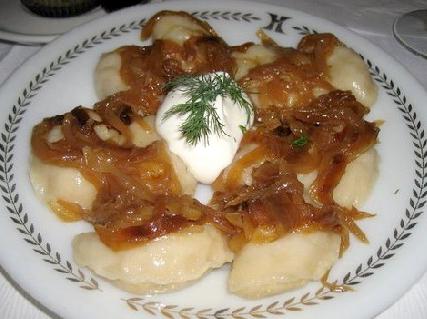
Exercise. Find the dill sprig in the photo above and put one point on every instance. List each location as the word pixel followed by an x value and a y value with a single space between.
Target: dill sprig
pixel 201 92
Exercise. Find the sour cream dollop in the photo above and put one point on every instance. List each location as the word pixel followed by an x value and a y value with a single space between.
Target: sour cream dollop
pixel 204 160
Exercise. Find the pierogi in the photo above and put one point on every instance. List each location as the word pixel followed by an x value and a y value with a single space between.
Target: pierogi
pixel 107 75
pixel 58 185
pixel 52 183
pixel 347 71
pixel 261 270
pixel 167 263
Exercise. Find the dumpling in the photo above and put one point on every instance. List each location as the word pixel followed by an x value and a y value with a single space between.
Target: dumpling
pixel 52 183
pixel 358 180
pixel 347 71
pixel 66 191
pixel 107 76
pixel 186 179
pixel 261 270
pixel 343 68
pixel 253 56
pixel 290 80
pixel 356 183
pixel 144 70
pixel 175 26
pixel 167 263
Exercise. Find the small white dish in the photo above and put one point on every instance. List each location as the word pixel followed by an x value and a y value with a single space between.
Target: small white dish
pixel 18 24
pixel 35 249
pixel 410 31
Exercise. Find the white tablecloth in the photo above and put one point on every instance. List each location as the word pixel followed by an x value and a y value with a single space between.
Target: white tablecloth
pixel 373 20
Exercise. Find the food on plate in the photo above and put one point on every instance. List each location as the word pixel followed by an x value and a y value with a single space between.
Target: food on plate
pixel 308 257
pixel 251 55
pixel 107 75
pixel 79 149
pixel 280 134
pixel 63 189
pixel 168 263
pixel 343 67
pixel 178 27
pixel 320 64
pixel 139 74
pixel 347 71
pixel 358 180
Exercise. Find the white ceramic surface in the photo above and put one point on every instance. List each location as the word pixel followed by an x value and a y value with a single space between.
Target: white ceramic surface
pixel 410 31
pixel 35 245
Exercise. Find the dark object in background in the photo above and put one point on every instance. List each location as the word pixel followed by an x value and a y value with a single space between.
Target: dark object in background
pixel 60 8
pixel 112 5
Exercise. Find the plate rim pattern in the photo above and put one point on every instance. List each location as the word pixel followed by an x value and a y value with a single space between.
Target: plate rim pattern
pixel 27 230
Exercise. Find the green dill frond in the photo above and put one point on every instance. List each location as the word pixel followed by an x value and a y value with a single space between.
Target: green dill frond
pixel 300 141
pixel 201 92
pixel 243 129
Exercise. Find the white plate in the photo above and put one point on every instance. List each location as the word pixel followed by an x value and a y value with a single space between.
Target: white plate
pixel 35 247
pixel 18 24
